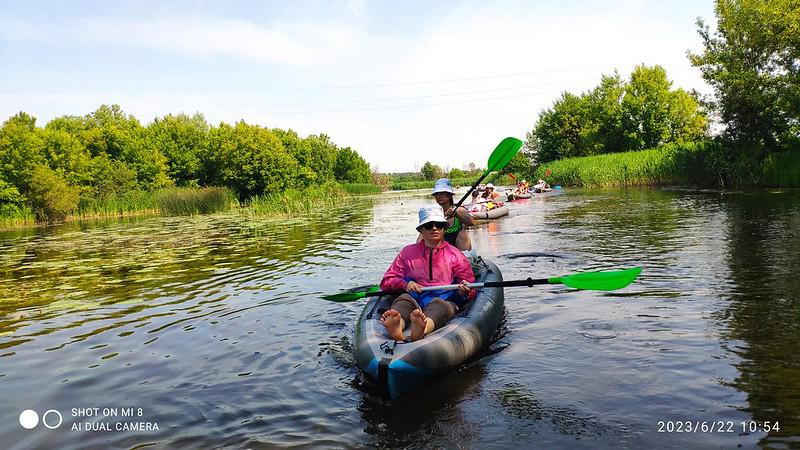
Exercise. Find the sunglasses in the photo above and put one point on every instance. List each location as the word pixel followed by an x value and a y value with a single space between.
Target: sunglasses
pixel 439 225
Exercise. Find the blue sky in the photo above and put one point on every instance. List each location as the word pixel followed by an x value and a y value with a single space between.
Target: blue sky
pixel 400 82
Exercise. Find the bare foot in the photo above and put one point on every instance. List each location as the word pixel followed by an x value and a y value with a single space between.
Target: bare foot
pixel 418 324
pixel 393 323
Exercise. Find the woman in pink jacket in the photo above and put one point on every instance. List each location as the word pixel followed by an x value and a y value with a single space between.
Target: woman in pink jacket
pixel 429 262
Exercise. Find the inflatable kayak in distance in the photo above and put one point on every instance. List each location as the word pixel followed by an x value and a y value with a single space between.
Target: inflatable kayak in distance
pixel 398 367
pixel 512 197
pixel 493 213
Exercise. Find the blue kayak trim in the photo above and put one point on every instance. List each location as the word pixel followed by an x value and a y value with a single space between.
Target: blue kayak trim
pixel 372 368
pixel 403 377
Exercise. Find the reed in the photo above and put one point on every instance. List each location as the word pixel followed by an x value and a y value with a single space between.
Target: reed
pixel 297 202
pixel 362 188
pixel 782 170
pixel 129 203
pixel 12 216
pixel 673 164
pixel 184 201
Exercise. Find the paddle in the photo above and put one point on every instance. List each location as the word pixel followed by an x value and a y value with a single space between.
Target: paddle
pixel 500 157
pixel 597 281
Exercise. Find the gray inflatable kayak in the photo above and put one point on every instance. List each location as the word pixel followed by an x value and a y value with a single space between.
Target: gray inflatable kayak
pixel 398 367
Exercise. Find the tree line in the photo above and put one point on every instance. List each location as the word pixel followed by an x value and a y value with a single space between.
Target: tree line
pixel 752 62
pixel 107 153
pixel 617 116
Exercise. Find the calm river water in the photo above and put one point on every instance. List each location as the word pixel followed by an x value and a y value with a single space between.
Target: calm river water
pixel 212 330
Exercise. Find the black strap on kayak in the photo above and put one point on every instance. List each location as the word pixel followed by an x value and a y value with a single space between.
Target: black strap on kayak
pixel 383 375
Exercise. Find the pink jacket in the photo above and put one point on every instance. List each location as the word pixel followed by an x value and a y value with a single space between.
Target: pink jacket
pixel 427 267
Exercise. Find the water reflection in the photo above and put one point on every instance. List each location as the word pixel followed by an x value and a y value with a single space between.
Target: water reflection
pixel 763 316
pixel 214 326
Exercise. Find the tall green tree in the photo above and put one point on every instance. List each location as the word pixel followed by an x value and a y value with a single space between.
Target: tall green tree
pixel 182 139
pixel 430 171
pixel 250 159
pixel 21 150
pixel 617 116
pixel 751 61
pixel 351 167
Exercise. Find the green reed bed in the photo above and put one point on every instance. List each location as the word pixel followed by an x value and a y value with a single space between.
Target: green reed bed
pixel 295 201
pixel 667 165
pixel 128 203
pixel 362 188
pixel 183 201
pixel 782 170
pixel 15 216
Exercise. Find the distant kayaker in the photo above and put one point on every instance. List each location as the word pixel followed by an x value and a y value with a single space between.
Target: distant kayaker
pixel 429 262
pixel 489 194
pixel 540 186
pixel 456 219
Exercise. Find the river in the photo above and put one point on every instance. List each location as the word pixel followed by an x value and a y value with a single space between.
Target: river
pixel 209 331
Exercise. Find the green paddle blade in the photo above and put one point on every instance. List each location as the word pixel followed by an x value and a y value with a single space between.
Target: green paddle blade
pixel 503 154
pixel 345 297
pixel 599 281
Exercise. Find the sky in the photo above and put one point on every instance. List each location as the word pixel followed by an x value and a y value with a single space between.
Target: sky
pixel 401 83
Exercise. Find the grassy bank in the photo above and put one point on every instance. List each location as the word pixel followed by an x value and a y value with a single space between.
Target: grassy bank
pixel 293 201
pixel 706 164
pixel 169 202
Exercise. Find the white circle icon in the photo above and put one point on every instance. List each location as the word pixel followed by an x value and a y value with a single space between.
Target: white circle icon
pixel 51 412
pixel 28 419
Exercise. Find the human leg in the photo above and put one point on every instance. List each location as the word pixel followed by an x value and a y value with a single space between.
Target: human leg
pixel 440 312
pixel 399 314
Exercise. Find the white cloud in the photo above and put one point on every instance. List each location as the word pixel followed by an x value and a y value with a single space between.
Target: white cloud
pixel 551 54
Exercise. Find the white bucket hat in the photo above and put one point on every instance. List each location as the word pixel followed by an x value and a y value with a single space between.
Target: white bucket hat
pixel 430 214
pixel 490 185
pixel 443 185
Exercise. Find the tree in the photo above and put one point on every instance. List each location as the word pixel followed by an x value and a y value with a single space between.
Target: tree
pixel 322 157
pixel 431 171
pixel 249 159
pixel 50 196
pixel 351 167
pixel 21 150
pixel 456 173
pixel 646 107
pixel 616 117
pixel 182 139
pixel 752 64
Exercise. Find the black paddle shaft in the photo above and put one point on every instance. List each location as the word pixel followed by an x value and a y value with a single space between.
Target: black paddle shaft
pixel 529 283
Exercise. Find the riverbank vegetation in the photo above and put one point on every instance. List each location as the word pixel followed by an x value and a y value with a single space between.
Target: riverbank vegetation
pixel 107 163
pixel 750 61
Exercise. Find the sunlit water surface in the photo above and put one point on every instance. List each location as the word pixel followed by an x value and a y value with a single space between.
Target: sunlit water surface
pixel 212 328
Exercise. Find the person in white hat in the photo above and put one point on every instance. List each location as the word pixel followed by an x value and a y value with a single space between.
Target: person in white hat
pixel 489 194
pixel 457 219
pixel 429 262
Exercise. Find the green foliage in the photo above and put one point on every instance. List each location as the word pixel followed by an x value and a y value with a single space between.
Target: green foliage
pixel 351 167
pixel 616 117
pixel 21 150
pixel 116 164
pixel 182 140
pixel 672 164
pixel 294 201
pixel 456 173
pixel 119 204
pixel 782 170
pixel 250 160
pixel 431 171
pixel 50 196
pixel 183 201
pixel 751 62
pixel 521 165
pixel 362 188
